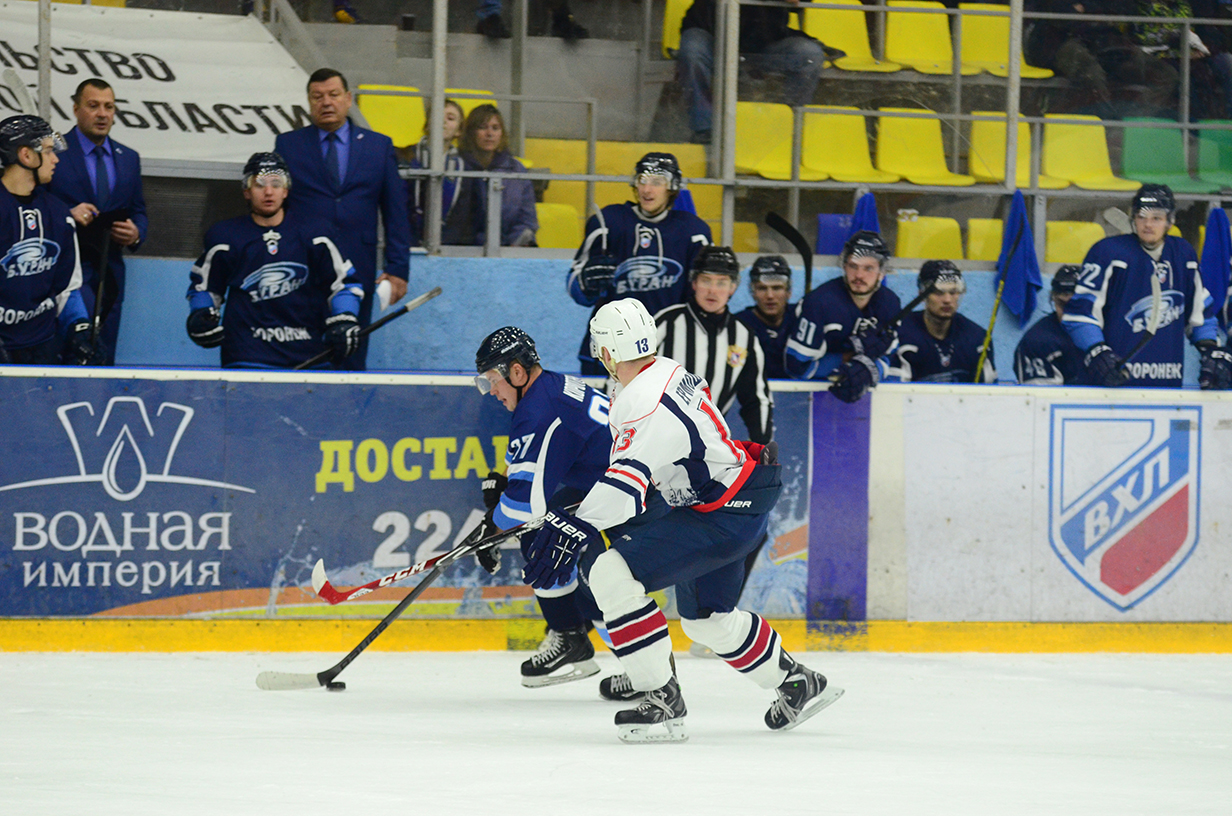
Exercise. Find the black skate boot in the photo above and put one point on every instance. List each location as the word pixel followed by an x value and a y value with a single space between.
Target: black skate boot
pixel 801 695
pixel 563 656
pixel 619 688
pixel 659 718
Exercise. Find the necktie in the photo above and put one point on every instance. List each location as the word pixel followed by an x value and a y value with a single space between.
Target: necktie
pixel 331 159
pixel 102 179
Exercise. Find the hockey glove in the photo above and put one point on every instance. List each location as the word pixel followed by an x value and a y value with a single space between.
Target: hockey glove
pixel 493 487
pixel 80 350
pixel 1215 373
pixel 205 327
pixel 1105 366
pixel 855 378
pixel 553 555
pixel 873 343
pixel 597 275
pixel 490 557
pixel 342 332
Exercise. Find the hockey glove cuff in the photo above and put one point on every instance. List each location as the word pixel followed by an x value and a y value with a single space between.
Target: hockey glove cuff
pixel 205 327
pixel 597 275
pixel 342 332
pixel 489 557
pixel 493 487
pixel 553 555
pixel 874 343
pixel 1215 373
pixel 1105 366
pixel 855 378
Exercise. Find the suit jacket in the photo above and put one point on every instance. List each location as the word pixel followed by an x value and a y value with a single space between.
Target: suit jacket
pixel 71 184
pixel 372 185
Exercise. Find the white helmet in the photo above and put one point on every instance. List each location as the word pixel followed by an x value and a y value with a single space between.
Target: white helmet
pixel 625 329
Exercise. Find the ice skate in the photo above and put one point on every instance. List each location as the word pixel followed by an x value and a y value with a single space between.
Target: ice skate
pixel 801 695
pixel 562 657
pixel 659 718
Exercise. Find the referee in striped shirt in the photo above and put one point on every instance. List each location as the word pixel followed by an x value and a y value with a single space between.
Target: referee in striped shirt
pixel 708 340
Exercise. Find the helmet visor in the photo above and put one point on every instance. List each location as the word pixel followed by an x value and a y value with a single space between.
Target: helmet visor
pixel 487 380
pixel 652 180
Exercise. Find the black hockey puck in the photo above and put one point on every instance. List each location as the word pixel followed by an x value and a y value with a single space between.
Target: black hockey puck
pixel 336 685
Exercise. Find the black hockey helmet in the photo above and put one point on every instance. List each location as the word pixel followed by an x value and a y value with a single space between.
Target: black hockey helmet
pixel 865 243
pixel 658 164
pixel 29 131
pixel 942 276
pixel 1065 279
pixel 499 350
pixel 770 269
pixel 1154 197
pixel 266 164
pixel 717 260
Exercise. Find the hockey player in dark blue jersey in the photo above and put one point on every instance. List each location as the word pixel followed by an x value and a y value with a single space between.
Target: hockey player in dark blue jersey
pixel 938 344
pixel 641 249
pixel 40 271
pixel 1046 355
pixel 772 318
pixel 843 326
pixel 1112 302
pixel 558 449
pixel 289 292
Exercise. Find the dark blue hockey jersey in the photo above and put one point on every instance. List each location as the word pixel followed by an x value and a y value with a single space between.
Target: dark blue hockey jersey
pixel 826 318
pixel 920 357
pixel 773 339
pixel 40 272
pixel 1046 355
pixel 1113 300
pixel 279 284
pixel 559 438
pixel 654 256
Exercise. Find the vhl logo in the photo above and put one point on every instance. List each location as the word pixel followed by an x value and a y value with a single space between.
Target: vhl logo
pixel 1123 495
pixel 125 472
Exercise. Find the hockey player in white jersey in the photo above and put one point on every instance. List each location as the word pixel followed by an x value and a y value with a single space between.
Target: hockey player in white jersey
pixel 706 499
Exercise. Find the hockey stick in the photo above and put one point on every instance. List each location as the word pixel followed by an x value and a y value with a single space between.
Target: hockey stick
pixel 20 92
pixel 367 330
pixel 785 228
pixel 1152 322
pixel 996 304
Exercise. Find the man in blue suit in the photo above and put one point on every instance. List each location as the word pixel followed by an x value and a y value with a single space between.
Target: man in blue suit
pixel 100 181
pixel 348 176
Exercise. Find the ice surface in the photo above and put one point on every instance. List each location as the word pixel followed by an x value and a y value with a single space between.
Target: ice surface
pixel 442 734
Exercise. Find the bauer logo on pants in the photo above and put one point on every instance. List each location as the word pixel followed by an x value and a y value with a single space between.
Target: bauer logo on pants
pixel 1123 495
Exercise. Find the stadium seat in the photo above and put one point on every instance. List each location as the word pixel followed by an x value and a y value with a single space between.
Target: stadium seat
pixel 986 160
pixel 986 42
pixel 401 118
pixel 846 31
pixel 745 235
pixel 984 239
pixel 831 233
pixel 673 14
pixel 913 149
pixel 1079 154
pixel 921 41
pixel 921 236
pixel 837 144
pixel 560 226
pixel 1067 242
pixel 763 141
pixel 1215 153
pixel 1157 156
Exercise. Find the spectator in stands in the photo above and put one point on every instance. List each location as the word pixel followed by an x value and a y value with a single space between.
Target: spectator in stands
pixel 100 180
pixel 771 317
pixel 485 146
pixel 1046 355
pixel 1209 84
pixel 460 205
pixel 766 44
pixel 492 25
pixel 938 344
pixel 348 177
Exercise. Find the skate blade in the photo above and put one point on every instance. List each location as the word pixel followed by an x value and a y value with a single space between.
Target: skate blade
pixel 631 697
pixel 565 674
pixel 667 731
pixel 826 698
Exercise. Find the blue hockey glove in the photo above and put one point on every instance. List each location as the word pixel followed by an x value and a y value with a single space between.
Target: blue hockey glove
pixel 855 378
pixel 342 332
pixel 554 553
pixel 1215 373
pixel 80 350
pixel 873 343
pixel 596 276
pixel 205 327
pixel 1105 366
pixel 493 487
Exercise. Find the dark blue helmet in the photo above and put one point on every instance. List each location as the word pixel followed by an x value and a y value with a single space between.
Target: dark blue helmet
pixel 265 164
pixel 943 276
pixel 770 269
pixel 29 131
pixel 659 164
pixel 1154 197
pixel 1065 279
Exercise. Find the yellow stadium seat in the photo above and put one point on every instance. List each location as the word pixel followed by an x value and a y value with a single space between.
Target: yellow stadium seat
pixel 1079 154
pixel 837 144
pixel 401 118
pixel 984 239
pixel 673 14
pixel 986 42
pixel 745 237
pixel 1067 242
pixel 763 142
pixel 846 31
pixel 921 236
pixel 921 41
pixel 560 226
pixel 986 160
pixel 1175 230
pixel 912 148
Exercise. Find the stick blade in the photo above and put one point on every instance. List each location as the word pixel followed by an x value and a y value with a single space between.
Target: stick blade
pixel 318 576
pixel 324 589
pixel 286 681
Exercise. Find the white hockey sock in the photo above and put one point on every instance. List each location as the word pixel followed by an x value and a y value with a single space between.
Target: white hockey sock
pixel 744 640
pixel 635 624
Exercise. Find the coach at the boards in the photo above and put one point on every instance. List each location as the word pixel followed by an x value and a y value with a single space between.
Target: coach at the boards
pixel 348 176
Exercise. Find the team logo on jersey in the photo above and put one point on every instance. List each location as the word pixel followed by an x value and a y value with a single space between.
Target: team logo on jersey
pixel 736 355
pixel 275 280
pixel 647 273
pixel 31 218
pixel 271 240
pixel 32 256
pixel 644 236
pixel 1172 306
pixel 1123 495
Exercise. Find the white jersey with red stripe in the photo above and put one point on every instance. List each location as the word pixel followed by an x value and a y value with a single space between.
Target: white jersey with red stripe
pixel 666 432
